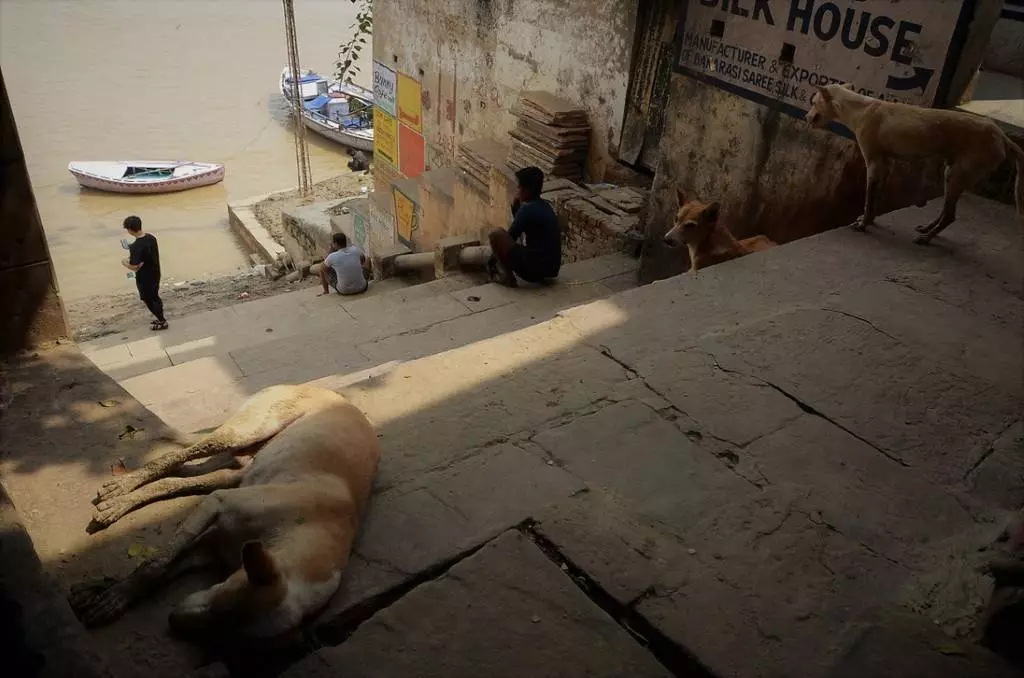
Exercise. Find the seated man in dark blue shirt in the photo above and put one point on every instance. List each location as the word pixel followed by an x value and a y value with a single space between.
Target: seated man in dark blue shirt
pixel 539 260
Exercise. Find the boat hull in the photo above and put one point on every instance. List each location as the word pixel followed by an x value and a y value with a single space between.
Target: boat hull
pixel 207 177
pixel 359 143
pixel 360 140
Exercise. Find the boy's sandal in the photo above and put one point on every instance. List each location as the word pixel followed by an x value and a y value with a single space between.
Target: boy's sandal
pixel 158 325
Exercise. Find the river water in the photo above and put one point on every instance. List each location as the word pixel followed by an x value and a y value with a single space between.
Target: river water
pixel 159 79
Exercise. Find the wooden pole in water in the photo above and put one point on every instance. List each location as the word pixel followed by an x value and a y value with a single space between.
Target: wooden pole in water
pixel 301 151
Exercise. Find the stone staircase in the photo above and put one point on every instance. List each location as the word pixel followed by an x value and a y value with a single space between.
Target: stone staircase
pixel 792 464
pixel 193 374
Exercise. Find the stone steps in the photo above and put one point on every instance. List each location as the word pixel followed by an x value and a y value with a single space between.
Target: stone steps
pixel 802 438
pixel 609 443
pixel 194 378
pixel 129 354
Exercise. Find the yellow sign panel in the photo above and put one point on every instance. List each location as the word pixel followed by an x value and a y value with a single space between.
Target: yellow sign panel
pixel 410 102
pixel 405 216
pixel 385 136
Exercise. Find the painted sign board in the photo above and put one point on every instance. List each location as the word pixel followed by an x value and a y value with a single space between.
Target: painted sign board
pixel 385 136
pixel 359 231
pixel 385 88
pixel 777 52
pixel 410 102
pixel 405 217
pixel 412 150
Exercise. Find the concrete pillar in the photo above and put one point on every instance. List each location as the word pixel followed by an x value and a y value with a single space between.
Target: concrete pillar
pixel 31 311
pixel 384 259
pixel 448 251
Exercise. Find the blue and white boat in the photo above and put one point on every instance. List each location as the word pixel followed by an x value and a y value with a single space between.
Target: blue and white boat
pixel 339 111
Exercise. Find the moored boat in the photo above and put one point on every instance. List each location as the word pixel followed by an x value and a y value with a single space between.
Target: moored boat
pixel 342 112
pixel 145 176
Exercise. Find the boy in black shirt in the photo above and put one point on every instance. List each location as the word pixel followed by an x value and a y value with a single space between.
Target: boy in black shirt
pixel 144 260
pixel 540 259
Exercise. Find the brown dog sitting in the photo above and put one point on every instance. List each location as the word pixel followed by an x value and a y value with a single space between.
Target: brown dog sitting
pixel 708 240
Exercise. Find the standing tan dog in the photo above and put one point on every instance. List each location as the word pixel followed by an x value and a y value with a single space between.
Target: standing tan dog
pixel 971 146
pixel 708 240
pixel 284 524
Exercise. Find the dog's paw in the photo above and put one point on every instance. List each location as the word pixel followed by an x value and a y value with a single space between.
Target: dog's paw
pixel 860 224
pixel 106 514
pixel 98 602
pixel 116 487
pixel 922 239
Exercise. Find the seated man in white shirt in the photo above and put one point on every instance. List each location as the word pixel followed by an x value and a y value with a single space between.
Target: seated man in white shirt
pixel 344 269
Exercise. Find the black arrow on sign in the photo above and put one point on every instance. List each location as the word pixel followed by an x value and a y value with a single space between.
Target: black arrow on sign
pixel 919 80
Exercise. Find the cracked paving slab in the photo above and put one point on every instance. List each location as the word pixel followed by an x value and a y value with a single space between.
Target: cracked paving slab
pixel 439 517
pixel 998 474
pixel 478 394
pixel 750 585
pixel 631 449
pixel 731 407
pixel 504 612
pixel 768 592
pixel 904 403
pixel 963 341
pixel 889 508
pixel 605 535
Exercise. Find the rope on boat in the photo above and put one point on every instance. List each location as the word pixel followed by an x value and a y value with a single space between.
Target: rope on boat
pixel 301 151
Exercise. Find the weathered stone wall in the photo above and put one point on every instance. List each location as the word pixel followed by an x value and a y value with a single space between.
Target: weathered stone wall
pixel 31 311
pixel 595 223
pixel 436 207
pixel 474 57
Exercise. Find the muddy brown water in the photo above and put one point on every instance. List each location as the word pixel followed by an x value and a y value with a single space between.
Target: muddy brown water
pixel 158 79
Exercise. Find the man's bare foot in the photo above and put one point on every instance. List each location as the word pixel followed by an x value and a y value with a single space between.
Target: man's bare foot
pixel 498 274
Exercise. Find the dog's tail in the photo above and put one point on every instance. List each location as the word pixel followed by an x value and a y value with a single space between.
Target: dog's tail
pixel 1017 153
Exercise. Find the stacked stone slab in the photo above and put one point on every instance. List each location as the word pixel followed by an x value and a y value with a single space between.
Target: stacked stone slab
pixel 550 133
pixel 476 158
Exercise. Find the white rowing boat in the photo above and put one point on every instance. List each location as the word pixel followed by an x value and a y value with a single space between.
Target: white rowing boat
pixel 145 176
pixel 340 111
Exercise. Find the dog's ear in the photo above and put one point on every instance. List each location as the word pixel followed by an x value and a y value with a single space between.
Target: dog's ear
pixel 259 566
pixel 680 198
pixel 710 213
pixel 824 93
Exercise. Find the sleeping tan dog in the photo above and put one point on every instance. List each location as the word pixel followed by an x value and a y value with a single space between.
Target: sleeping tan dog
pixel 972 146
pixel 284 524
pixel 708 240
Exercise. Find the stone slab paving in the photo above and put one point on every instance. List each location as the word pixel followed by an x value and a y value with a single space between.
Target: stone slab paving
pixel 893 395
pixel 298 337
pixel 747 467
pixel 67 424
pixel 506 611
